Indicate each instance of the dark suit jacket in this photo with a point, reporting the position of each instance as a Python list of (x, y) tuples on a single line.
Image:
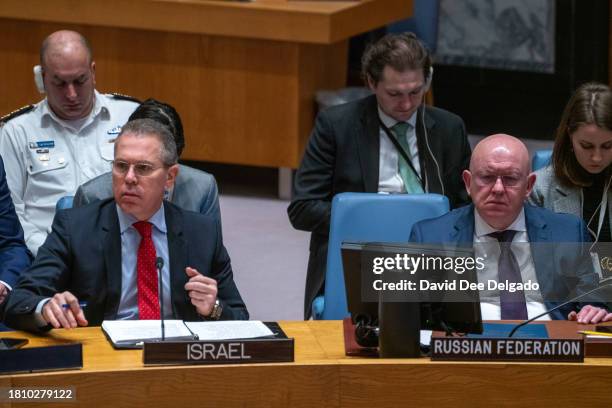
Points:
[(14, 255), (562, 273), (82, 254), (342, 155)]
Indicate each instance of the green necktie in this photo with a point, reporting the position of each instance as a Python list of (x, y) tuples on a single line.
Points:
[(411, 181)]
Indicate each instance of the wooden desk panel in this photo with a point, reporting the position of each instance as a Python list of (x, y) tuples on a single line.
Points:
[(320, 376), (243, 76)]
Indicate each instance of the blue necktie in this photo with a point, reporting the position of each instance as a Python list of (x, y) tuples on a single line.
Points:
[(513, 306), (411, 181)]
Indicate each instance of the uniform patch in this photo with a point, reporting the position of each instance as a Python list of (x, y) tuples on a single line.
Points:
[(114, 131), (123, 97), (45, 144)]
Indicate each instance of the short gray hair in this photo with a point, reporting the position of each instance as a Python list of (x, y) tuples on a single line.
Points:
[(150, 127)]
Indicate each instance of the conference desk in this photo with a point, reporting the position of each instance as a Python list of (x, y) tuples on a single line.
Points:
[(321, 376), (242, 75)]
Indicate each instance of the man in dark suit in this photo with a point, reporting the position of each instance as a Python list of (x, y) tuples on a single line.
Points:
[(388, 142), (14, 255), (499, 181), (107, 253)]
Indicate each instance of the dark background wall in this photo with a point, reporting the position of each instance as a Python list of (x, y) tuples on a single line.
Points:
[(530, 104)]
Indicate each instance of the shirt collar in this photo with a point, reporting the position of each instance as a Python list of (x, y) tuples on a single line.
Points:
[(481, 228), (100, 107), (389, 122), (126, 220)]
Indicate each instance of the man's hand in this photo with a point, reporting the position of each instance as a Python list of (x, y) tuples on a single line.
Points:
[(57, 315), (3, 292), (201, 290), (590, 315)]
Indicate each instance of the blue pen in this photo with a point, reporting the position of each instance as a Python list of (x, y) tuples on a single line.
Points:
[(81, 305)]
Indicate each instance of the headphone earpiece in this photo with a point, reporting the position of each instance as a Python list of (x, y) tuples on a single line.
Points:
[(428, 80), (38, 79)]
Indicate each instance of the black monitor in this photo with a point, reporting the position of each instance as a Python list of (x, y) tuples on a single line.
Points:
[(444, 313)]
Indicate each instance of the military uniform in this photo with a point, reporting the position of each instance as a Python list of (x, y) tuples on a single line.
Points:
[(46, 158)]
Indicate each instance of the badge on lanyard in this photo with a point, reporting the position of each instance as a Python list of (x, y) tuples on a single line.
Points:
[(605, 263)]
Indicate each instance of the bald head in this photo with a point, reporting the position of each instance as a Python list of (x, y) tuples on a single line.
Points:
[(62, 43), (499, 146), (68, 74), (499, 180)]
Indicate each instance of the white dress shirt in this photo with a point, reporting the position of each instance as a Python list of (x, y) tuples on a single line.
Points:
[(47, 158), (389, 178)]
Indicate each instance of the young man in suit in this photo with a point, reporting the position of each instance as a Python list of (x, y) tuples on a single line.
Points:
[(499, 181), (387, 142), (107, 253)]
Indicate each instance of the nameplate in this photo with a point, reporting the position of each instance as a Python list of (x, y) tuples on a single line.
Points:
[(30, 359), (507, 349), (275, 350)]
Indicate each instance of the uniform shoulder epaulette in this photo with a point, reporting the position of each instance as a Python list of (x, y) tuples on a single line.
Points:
[(16, 113), (122, 97)]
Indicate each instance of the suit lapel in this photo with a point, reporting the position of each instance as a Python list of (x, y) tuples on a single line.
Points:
[(368, 143), (177, 250), (463, 230), (538, 233), (567, 200), (111, 247)]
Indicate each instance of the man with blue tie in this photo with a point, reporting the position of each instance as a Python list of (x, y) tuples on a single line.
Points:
[(107, 253), (529, 241)]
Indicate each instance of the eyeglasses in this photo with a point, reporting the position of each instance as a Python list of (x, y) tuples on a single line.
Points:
[(486, 180), (140, 169)]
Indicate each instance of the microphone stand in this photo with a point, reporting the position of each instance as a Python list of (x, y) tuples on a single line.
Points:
[(159, 264), (518, 326)]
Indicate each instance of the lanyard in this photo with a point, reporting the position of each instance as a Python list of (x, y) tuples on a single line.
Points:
[(400, 149), (603, 207)]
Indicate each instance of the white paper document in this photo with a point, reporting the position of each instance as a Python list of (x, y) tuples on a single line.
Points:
[(231, 329), (126, 331)]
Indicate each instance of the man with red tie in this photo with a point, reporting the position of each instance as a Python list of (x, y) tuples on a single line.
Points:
[(101, 261)]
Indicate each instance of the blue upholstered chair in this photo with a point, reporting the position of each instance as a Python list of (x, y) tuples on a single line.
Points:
[(64, 202), (541, 158), (368, 217)]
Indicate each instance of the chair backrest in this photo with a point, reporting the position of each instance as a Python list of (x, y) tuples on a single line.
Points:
[(64, 202), (370, 217), (541, 158)]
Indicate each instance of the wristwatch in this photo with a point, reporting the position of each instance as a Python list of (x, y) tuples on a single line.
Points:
[(217, 309)]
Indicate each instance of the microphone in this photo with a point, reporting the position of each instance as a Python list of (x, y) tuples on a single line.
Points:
[(159, 264), (597, 289)]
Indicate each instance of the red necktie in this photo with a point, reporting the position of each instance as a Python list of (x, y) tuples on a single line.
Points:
[(148, 300)]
